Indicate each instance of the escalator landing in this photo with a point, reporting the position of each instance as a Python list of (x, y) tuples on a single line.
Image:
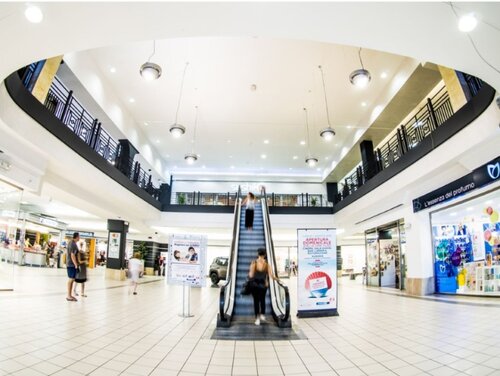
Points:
[(243, 329)]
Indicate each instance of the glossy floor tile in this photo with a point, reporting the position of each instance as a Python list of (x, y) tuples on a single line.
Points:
[(114, 333)]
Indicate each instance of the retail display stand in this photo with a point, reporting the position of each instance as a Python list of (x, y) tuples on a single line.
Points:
[(186, 313)]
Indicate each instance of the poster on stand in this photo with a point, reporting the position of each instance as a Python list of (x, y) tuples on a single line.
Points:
[(186, 261), (114, 245), (317, 279)]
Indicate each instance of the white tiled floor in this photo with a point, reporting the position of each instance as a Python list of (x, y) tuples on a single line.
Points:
[(113, 333)]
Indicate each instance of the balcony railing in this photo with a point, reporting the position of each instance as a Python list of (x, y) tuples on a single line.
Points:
[(65, 107), (408, 136), (228, 199)]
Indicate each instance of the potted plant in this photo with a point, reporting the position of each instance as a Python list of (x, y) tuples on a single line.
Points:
[(314, 201), (181, 199), (143, 250)]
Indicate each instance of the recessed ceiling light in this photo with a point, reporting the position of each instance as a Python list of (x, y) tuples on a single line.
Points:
[(157, 141), (363, 104), (349, 127), (326, 158), (203, 166), (336, 145), (131, 100), (228, 141), (453, 214), (290, 168), (295, 157), (230, 156), (112, 70), (146, 123), (467, 22), (33, 14), (263, 156), (24, 202), (266, 141), (232, 167), (302, 142), (168, 155), (383, 75), (318, 169), (470, 208), (175, 166)]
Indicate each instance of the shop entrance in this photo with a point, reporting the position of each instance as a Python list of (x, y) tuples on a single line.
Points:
[(385, 256), (10, 198)]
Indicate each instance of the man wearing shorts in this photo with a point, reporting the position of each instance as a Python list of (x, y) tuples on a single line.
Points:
[(72, 265)]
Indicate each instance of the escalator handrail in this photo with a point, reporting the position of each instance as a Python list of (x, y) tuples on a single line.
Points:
[(226, 300), (284, 311)]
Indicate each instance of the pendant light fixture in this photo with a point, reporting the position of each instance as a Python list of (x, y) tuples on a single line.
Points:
[(192, 157), (150, 71), (328, 132), (360, 77), (176, 129), (310, 160)]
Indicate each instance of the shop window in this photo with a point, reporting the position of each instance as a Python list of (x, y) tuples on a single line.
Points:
[(466, 246)]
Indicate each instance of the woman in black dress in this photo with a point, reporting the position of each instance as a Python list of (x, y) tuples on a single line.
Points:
[(249, 201)]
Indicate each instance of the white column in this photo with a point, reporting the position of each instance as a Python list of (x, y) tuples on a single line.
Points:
[(419, 259)]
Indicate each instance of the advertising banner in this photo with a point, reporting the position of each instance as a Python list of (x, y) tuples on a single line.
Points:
[(186, 260), (317, 278), (114, 245)]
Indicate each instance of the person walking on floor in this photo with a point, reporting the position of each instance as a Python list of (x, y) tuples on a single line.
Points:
[(135, 268), (260, 271), (81, 274), (249, 201), (72, 265)]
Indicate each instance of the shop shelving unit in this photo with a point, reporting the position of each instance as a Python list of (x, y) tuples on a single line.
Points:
[(488, 279)]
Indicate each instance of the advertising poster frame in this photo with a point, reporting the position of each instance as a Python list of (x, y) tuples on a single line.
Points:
[(317, 269), (114, 244), (184, 270)]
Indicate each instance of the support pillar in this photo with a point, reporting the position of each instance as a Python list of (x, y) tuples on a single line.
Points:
[(45, 78), (454, 87), (125, 157), (419, 260), (368, 158), (117, 240)]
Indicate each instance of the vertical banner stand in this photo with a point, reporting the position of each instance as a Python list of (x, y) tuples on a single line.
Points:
[(186, 313)]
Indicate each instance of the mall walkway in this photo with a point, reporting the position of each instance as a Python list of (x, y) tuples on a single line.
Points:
[(112, 333)]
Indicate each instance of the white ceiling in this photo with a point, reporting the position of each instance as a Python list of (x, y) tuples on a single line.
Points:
[(234, 121)]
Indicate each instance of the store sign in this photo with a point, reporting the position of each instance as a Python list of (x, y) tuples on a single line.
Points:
[(317, 279), (484, 175), (114, 245), (48, 222), (83, 234), (186, 261)]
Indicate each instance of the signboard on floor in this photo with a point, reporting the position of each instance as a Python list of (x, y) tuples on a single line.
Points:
[(114, 245), (186, 260), (317, 278)]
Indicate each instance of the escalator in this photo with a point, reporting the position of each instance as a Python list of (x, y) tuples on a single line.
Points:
[(236, 310)]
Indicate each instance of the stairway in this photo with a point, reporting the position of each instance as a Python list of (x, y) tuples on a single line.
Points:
[(248, 244)]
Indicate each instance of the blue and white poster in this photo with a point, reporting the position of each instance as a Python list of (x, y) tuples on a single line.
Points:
[(186, 261), (317, 278)]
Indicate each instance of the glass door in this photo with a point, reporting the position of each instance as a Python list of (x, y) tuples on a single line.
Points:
[(10, 197), (372, 265)]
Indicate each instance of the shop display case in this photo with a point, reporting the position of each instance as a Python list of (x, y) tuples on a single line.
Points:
[(488, 279)]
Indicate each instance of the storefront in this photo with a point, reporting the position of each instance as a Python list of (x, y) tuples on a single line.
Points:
[(385, 256), (466, 244), (466, 232), (10, 198)]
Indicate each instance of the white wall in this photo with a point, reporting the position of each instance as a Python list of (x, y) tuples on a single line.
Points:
[(353, 257), (232, 186)]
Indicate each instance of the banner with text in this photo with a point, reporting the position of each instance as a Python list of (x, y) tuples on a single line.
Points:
[(186, 260), (317, 279)]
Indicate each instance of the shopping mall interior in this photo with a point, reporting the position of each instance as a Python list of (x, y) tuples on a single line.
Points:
[(295, 188)]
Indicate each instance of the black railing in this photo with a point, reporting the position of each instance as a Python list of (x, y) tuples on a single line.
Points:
[(228, 199), (437, 110), (65, 107)]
